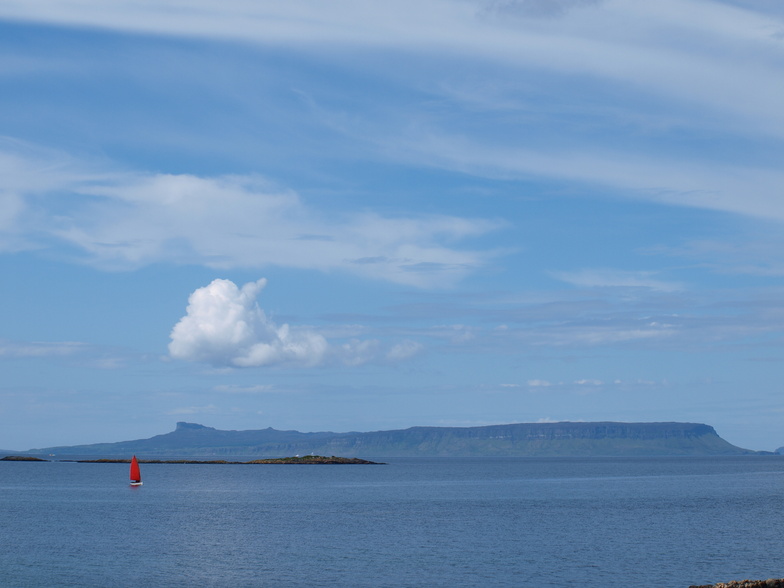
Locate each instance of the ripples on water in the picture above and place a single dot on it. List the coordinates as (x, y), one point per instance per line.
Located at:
(414, 522)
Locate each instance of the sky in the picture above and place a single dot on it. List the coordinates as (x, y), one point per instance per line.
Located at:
(339, 215)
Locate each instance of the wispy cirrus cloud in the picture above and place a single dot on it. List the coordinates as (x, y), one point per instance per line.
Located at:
(718, 74)
(605, 314)
(536, 8)
(75, 353)
(748, 190)
(238, 389)
(618, 41)
(209, 409)
(40, 349)
(611, 278)
(760, 254)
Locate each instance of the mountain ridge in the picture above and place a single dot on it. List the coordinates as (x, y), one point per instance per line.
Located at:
(508, 440)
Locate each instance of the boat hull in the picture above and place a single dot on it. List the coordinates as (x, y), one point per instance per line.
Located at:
(136, 483)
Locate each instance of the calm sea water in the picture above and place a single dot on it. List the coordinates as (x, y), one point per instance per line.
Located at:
(414, 522)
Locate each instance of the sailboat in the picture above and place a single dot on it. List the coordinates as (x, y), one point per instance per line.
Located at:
(136, 476)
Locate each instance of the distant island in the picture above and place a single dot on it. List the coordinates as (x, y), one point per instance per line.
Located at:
(565, 439)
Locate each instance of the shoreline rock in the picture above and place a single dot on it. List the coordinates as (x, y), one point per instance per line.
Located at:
(770, 583)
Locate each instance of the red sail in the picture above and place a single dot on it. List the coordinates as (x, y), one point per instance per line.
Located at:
(136, 475)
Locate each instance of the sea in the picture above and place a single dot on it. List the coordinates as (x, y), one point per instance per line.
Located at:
(452, 522)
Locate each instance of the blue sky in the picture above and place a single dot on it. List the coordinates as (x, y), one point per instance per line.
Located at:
(340, 215)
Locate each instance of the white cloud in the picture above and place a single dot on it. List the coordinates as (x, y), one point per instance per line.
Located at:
(225, 326)
(720, 65)
(192, 410)
(698, 182)
(11, 206)
(578, 334)
(454, 333)
(758, 254)
(234, 389)
(109, 363)
(119, 220)
(40, 349)
(535, 8)
(404, 350)
(357, 352)
(717, 55)
(539, 383)
(610, 278)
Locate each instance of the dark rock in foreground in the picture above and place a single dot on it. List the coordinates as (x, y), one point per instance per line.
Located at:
(772, 583)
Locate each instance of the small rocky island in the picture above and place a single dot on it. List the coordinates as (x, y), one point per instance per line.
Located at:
(305, 460)
(21, 458)
(317, 459)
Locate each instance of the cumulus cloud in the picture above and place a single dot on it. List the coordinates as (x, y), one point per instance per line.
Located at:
(225, 326)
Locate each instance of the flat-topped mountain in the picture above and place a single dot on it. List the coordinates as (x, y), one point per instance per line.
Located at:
(522, 440)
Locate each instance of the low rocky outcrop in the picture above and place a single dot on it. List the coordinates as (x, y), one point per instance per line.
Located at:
(307, 459)
(772, 583)
(316, 459)
(21, 458)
